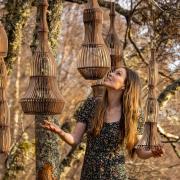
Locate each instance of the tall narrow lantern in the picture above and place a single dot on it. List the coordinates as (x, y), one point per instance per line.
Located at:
(5, 134)
(94, 61)
(4, 110)
(150, 138)
(43, 95)
(113, 43)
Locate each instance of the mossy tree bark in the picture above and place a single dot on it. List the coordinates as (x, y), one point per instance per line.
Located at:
(47, 150)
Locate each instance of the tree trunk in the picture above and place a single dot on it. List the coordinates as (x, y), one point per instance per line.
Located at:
(47, 150)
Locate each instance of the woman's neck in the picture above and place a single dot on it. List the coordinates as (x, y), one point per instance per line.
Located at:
(114, 97)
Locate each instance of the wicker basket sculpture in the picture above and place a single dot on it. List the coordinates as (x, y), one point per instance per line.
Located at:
(150, 139)
(113, 43)
(94, 59)
(43, 95)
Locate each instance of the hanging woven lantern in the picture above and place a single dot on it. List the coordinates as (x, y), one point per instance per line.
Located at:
(4, 110)
(113, 43)
(150, 139)
(3, 41)
(94, 60)
(43, 95)
(5, 140)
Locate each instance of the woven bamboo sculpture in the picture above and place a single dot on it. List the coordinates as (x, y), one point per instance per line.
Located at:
(43, 95)
(115, 48)
(150, 139)
(4, 110)
(113, 43)
(94, 59)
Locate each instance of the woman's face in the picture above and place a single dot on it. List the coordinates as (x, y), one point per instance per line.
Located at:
(116, 79)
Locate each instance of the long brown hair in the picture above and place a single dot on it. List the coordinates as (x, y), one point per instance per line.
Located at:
(130, 105)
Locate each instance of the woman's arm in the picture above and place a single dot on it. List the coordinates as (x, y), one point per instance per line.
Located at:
(73, 138)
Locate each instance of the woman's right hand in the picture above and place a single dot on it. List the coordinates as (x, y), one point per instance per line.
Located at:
(51, 126)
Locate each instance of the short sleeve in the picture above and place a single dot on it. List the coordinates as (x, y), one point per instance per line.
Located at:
(85, 111)
(141, 122)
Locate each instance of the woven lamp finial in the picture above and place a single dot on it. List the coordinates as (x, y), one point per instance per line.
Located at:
(43, 95)
(94, 60)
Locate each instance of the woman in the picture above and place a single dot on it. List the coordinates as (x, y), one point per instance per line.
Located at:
(111, 127)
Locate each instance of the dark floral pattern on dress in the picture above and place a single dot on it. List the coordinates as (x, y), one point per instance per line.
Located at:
(104, 157)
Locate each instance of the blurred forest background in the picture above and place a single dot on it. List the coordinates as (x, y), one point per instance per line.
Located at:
(66, 33)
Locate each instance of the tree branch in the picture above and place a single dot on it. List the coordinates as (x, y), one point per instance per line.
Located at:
(119, 9)
(169, 136)
(167, 93)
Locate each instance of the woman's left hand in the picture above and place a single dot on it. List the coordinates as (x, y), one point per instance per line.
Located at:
(158, 152)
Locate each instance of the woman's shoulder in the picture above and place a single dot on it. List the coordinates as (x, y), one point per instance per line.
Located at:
(85, 110)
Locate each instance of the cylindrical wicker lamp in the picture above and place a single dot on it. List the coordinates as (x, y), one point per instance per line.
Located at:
(113, 43)
(94, 60)
(43, 95)
(150, 139)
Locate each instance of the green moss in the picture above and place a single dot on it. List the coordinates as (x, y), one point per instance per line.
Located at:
(15, 20)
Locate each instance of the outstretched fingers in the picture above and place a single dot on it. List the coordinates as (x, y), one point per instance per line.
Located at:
(158, 152)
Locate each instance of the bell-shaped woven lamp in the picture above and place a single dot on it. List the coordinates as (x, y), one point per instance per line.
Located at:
(150, 139)
(94, 60)
(43, 95)
(113, 43)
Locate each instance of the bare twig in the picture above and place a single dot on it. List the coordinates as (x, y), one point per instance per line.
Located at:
(169, 136)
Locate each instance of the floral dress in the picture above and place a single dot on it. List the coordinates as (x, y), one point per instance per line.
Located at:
(104, 156)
